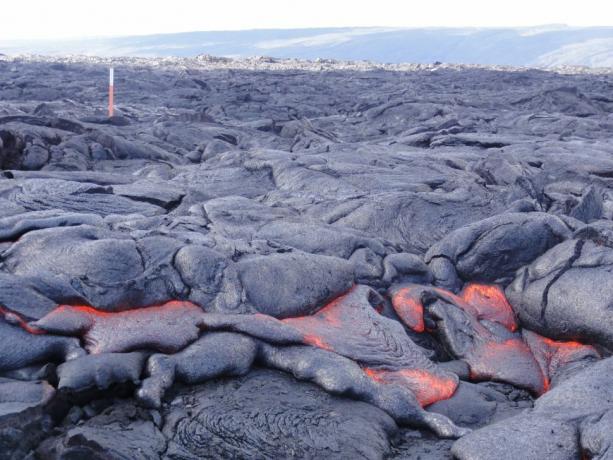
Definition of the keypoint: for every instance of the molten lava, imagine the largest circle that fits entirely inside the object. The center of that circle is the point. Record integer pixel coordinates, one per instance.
(316, 341)
(427, 387)
(478, 327)
(481, 301)
(490, 304)
(15, 319)
(408, 305)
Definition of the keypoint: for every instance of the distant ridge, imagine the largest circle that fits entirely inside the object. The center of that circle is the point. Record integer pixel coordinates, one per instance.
(550, 45)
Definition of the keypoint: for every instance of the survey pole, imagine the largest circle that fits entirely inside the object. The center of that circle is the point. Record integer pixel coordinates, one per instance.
(111, 91)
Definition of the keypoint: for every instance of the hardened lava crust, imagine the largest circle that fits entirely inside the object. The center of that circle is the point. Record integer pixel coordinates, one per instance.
(304, 259)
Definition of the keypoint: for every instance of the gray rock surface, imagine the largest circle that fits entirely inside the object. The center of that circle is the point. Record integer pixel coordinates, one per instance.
(567, 292)
(569, 420)
(214, 271)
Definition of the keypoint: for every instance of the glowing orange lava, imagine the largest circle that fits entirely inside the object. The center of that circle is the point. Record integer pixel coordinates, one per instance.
(350, 327)
(91, 311)
(552, 354)
(490, 303)
(484, 302)
(167, 328)
(407, 304)
(427, 387)
(316, 341)
(13, 318)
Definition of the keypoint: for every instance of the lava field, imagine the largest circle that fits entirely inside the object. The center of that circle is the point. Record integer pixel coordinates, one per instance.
(279, 259)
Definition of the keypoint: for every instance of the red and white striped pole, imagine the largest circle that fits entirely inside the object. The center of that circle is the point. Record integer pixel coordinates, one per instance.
(111, 91)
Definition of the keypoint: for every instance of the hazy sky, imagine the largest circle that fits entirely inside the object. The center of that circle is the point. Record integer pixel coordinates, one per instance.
(78, 18)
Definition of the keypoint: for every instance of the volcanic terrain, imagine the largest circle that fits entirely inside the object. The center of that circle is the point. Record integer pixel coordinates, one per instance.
(291, 259)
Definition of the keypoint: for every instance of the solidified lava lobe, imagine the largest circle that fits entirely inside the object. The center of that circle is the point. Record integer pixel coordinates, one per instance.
(167, 328)
(427, 387)
(508, 361)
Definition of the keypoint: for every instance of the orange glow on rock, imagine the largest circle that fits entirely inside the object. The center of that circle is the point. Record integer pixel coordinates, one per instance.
(427, 387)
(552, 354)
(408, 306)
(316, 341)
(328, 317)
(507, 361)
(491, 304)
(15, 319)
(168, 327)
(483, 302)
(91, 311)
(350, 327)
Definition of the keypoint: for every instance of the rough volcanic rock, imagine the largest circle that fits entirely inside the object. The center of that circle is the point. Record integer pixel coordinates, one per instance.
(96, 266)
(268, 414)
(20, 296)
(227, 354)
(566, 293)
(100, 371)
(26, 416)
(294, 284)
(492, 250)
(121, 431)
(19, 348)
(350, 228)
(555, 427)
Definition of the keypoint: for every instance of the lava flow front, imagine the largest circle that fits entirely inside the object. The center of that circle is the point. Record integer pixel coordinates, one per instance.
(479, 327)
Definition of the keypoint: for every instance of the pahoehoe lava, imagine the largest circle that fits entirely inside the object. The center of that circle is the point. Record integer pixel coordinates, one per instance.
(282, 259)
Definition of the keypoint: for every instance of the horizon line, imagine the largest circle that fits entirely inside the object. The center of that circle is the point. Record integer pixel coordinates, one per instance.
(272, 29)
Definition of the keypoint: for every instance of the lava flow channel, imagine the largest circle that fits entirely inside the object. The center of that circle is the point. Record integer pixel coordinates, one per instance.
(351, 327)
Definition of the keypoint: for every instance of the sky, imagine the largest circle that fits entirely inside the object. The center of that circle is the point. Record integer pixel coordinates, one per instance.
(57, 19)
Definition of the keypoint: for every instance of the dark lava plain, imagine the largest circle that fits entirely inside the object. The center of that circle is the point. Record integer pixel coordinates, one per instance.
(282, 259)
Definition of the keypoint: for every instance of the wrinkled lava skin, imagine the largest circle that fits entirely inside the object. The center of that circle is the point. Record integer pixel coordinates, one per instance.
(269, 258)
(350, 326)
